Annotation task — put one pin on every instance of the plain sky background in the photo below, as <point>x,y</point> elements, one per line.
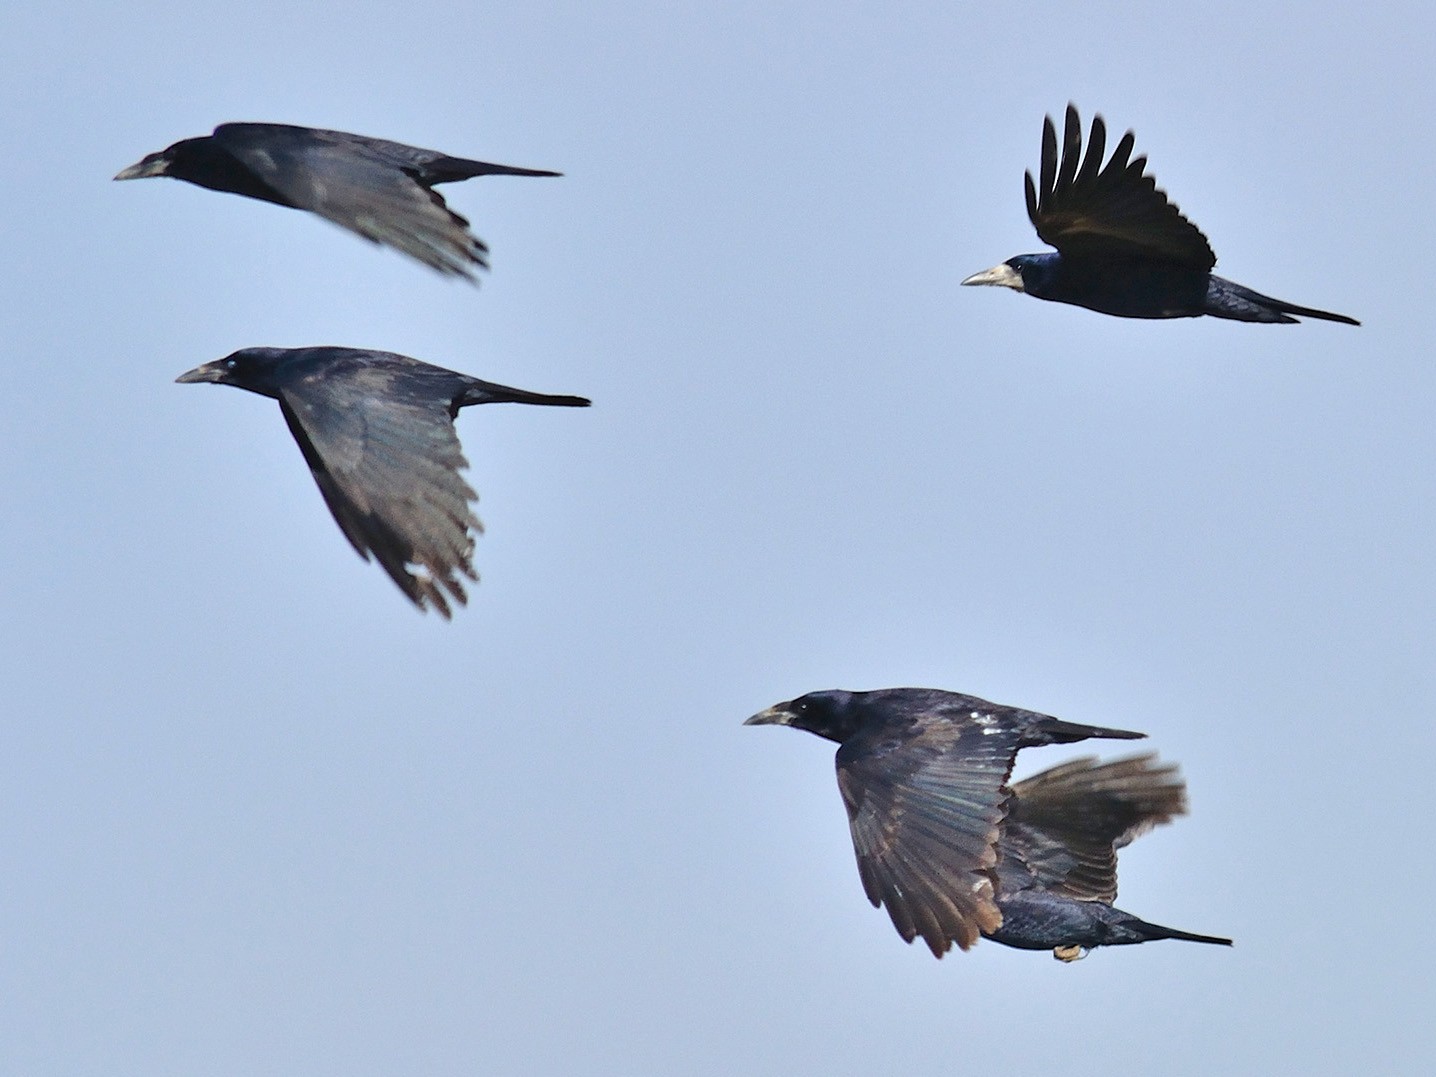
<point>262,817</point>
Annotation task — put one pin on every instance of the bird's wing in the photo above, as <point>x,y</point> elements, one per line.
<point>924,802</point>
<point>388,467</point>
<point>1067,823</point>
<point>1082,208</point>
<point>368,186</point>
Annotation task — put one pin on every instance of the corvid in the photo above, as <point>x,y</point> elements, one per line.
<point>377,430</point>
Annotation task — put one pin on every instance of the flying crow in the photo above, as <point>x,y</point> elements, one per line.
<point>1122,248</point>
<point>381,190</point>
<point>954,852</point>
<point>377,430</point>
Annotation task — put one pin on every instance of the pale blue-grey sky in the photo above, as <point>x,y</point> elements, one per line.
<point>262,817</point>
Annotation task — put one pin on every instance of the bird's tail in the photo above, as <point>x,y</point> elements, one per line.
<point>453,169</point>
<point>487,392</point>
<point>1055,731</point>
<point>1227,299</point>
<point>1148,932</point>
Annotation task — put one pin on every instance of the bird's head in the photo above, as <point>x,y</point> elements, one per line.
<point>1023,273</point>
<point>249,368</point>
<point>161,163</point>
<point>833,714</point>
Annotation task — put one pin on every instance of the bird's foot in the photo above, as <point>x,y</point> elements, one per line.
<point>1069,954</point>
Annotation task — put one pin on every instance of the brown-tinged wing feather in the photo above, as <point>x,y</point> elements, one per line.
<point>924,802</point>
<point>1067,823</point>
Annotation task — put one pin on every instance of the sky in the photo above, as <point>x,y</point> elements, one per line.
<point>261,816</point>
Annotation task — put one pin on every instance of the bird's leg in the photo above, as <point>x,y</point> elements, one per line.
<point>1069,954</point>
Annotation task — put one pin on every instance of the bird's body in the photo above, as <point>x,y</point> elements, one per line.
<point>952,851</point>
<point>378,189</point>
<point>1122,247</point>
<point>377,431</point>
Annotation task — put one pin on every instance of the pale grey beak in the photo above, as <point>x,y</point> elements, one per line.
<point>778,715</point>
<point>153,165</point>
<point>209,372</point>
<point>1003,275</point>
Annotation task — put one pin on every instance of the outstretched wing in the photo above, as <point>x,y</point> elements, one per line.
<point>925,799</point>
<point>1082,208</point>
<point>1066,824</point>
<point>369,186</point>
<point>388,466</point>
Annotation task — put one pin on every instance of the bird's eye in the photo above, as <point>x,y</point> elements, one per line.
<point>231,363</point>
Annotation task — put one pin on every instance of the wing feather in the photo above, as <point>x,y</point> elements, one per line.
<point>388,466</point>
<point>369,186</point>
<point>1115,211</point>
<point>1066,824</point>
<point>925,802</point>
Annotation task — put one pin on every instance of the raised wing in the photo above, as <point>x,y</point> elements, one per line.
<point>369,186</point>
<point>388,466</point>
<point>1066,824</point>
<point>1084,209</point>
<point>924,802</point>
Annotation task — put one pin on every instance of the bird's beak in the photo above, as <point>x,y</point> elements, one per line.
<point>1003,275</point>
<point>776,715</point>
<point>209,372</point>
<point>153,165</point>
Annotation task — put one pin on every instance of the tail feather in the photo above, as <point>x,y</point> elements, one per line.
<point>1312,312</point>
<point>453,169</point>
<point>1150,932</point>
<point>1227,299</point>
<point>1056,731</point>
<point>486,392</point>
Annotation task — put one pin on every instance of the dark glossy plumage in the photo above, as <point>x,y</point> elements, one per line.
<point>952,851</point>
<point>377,430</point>
<point>378,189</point>
<point>1122,247</point>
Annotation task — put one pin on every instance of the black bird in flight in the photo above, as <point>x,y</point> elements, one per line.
<point>1122,248</point>
<point>380,190</point>
<point>377,430</point>
<point>954,852</point>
